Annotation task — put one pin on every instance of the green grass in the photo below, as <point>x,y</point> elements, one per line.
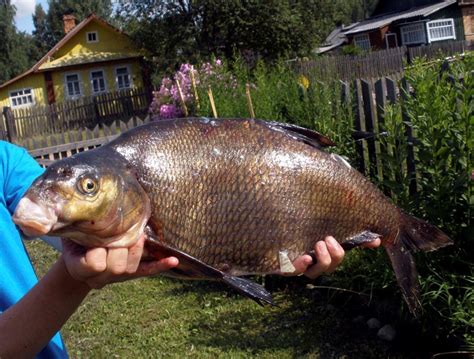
<point>160,317</point>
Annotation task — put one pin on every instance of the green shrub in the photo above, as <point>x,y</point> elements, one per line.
<point>439,108</point>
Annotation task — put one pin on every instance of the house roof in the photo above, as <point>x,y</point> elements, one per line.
<point>86,59</point>
<point>383,20</point>
<point>335,39</point>
<point>46,63</point>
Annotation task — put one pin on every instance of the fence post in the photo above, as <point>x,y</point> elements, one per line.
<point>357,106</point>
<point>95,111</point>
<point>411,170</point>
<point>10,124</point>
<point>369,126</point>
<point>380,100</point>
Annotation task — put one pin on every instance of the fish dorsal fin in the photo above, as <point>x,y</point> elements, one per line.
<point>302,134</point>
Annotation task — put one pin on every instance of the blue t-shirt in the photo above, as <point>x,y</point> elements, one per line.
<point>17,276</point>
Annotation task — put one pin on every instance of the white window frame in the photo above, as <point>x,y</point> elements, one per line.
<point>92,81</point>
<point>363,41</point>
<point>129,77</point>
<point>386,39</point>
<point>92,33</point>
<point>431,25</point>
<point>66,89</point>
<point>22,96</point>
<point>421,29</point>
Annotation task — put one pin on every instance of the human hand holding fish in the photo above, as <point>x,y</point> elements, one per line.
<point>100,266</point>
<point>328,254</point>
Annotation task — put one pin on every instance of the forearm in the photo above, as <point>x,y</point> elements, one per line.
<point>26,327</point>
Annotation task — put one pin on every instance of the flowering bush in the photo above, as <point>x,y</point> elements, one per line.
<point>167,101</point>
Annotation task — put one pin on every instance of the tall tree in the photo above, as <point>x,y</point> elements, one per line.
<point>183,30</point>
<point>7,32</point>
<point>41,33</point>
<point>80,9</point>
<point>16,49</point>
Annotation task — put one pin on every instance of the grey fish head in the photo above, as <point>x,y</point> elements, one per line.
<point>92,198</point>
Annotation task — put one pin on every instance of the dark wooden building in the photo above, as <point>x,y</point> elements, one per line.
<point>408,23</point>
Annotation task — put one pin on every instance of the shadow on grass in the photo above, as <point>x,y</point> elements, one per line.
<point>301,326</point>
<point>306,322</point>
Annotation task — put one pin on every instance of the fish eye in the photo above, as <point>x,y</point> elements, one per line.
<point>88,185</point>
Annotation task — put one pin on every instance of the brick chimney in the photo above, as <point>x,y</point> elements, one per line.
<point>69,23</point>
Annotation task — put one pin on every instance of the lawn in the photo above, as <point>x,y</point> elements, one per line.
<point>160,317</point>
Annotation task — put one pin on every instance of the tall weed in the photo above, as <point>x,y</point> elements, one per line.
<point>439,108</point>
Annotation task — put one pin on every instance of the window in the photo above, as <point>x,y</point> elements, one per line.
<point>440,30</point>
<point>363,41</point>
<point>391,40</point>
<point>97,81</point>
<point>92,36</point>
<point>413,34</point>
<point>21,98</point>
<point>122,78</point>
<point>73,86</point>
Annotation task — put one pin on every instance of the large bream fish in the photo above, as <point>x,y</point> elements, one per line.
<point>228,197</point>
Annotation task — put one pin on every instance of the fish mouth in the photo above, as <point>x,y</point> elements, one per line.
<point>34,219</point>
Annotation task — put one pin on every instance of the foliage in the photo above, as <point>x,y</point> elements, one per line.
<point>17,51</point>
<point>353,50</point>
<point>441,111</point>
<point>196,30</point>
<point>41,33</point>
<point>439,108</point>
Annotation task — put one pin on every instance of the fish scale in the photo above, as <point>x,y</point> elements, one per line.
<point>290,214</point>
<point>226,197</point>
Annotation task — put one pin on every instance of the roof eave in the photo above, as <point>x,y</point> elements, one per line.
<point>41,70</point>
<point>65,39</point>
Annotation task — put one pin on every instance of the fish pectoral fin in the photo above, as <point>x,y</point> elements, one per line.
<point>360,239</point>
<point>249,289</point>
<point>192,268</point>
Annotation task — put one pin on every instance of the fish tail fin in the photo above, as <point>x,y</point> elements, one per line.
<point>249,289</point>
<point>404,267</point>
<point>415,234</point>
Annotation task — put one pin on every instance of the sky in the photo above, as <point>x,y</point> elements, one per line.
<point>24,11</point>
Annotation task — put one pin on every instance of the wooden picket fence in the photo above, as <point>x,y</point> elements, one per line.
<point>57,146</point>
<point>377,63</point>
<point>89,111</point>
<point>345,67</point>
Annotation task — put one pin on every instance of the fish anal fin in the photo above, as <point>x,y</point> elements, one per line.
<point>192,268</point>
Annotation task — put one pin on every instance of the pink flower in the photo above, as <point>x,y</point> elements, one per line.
<point>170,111</point>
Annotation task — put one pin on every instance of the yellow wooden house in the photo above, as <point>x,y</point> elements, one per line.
<point>92,58</point>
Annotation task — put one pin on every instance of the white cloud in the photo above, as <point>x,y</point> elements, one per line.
<point>24,8</point>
